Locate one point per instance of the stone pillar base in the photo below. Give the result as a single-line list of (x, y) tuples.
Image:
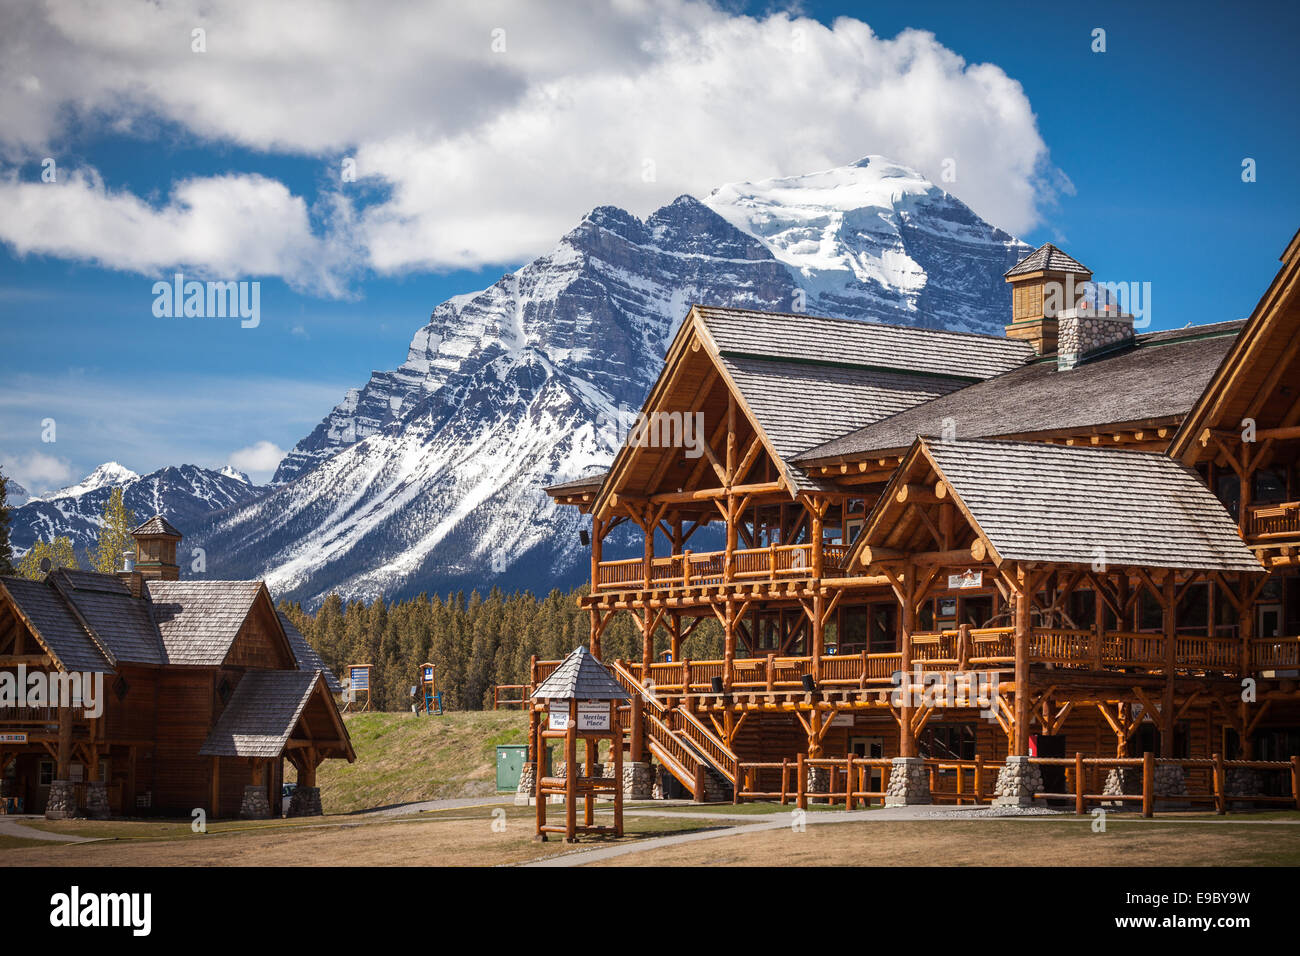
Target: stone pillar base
[(304, 802), (819, 781), (909, 782), (97, 807), (62, 803), (638, 781), (255, 805), (526, 791), (1018, 781)]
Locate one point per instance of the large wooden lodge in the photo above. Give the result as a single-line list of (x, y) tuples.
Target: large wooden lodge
[(206, 691), (1107, 520)]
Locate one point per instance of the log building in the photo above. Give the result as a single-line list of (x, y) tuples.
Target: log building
[(206, 690), (1100, 524)]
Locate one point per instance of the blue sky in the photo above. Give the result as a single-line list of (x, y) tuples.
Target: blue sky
[(1131, 159)]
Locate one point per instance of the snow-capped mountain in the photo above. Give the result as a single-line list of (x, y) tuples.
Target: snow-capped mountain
[(429, 476), (107, 475), (185, 495), (15, 494)]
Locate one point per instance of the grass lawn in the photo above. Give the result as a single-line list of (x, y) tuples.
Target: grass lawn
[(1026, 841), (469, 836), (402, 758)]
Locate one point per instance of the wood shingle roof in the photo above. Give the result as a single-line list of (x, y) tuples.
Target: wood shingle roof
[(55, 626), (157, 525), (580, 676), (1047, 258), (261, 714), (1161, 376), (199, 620), (1080, 505), (305, 654)]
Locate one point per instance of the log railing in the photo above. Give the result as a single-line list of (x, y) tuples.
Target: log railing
[(713, 750), (689, 569), (1275, 653), (1084, 776), (1274, 521)]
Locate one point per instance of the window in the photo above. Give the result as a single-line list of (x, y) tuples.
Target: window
[(121, 688), (224, 690), (45, 773), (1268, 486), (1194, 610), (884, 628), (854, 638), (1227, 488)]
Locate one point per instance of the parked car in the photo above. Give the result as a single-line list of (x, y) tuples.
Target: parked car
[(286, 794)]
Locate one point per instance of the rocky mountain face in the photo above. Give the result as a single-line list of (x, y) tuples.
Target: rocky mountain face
[(185, 495), (429, 476)]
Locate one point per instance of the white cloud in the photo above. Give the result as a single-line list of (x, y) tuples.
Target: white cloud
[(487, 156), (258, 460), (225, 226), (37, 471)]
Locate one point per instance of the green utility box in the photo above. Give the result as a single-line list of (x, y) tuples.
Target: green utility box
[(510, 764)]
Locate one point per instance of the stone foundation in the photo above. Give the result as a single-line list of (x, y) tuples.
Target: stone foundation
[(819, 781), (97, 807), (1242, 781), (526, 791), (638, 781), (255, 806), (1170, 781), (1018, 781), (304, 802), (909, 782), (1121, 781), (62, 803)]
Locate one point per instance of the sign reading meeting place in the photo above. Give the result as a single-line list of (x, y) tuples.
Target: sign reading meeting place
[(592, 715)]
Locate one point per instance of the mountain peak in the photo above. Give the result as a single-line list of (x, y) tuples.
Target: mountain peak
[(109, 473)]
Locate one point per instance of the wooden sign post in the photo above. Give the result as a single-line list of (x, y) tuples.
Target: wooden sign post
[(579, 702), (358, 682), (430, 699)]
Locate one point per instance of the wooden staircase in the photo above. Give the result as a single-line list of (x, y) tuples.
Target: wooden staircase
[(685, 747)]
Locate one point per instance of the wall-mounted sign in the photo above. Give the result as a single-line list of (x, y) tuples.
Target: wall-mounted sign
[(842, 720), (360, 677), (428, 675), (559, 716), (967, 579), (13, 738), (593, 715)]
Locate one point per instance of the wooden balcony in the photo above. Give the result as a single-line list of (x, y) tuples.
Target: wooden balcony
[(1277, 522), (689, 569), (980, 649)]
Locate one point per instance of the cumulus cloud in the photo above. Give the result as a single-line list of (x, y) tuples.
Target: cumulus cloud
[(489, 127), (37, 471), (258, 460)]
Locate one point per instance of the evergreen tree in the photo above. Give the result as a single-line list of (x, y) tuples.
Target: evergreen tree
[(114, 533), (6, 552)]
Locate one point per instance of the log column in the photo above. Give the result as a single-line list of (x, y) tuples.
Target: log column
[(907, 739), (1022, 624)]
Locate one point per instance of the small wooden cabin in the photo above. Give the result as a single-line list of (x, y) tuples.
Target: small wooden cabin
[(206, 691)]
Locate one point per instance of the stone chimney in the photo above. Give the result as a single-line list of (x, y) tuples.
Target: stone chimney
[(155, 550), (1087, 332), (1043, 284)]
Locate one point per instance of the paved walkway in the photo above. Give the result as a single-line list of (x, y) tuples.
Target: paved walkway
[(13, 826)]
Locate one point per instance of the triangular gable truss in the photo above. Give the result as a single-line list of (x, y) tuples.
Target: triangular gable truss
[(693, 379)]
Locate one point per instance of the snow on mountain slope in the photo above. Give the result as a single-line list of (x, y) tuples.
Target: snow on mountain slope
[(878, 237), (185, 495), (429, 476)]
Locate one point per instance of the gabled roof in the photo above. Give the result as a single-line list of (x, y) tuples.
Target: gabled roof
[(1047, 258), (1160, 377), (305, 654), (157, 525), (583, 677), (1062, 505), (120, 624), (55, 626), (199, 620), (800, 380), (262, 713)]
